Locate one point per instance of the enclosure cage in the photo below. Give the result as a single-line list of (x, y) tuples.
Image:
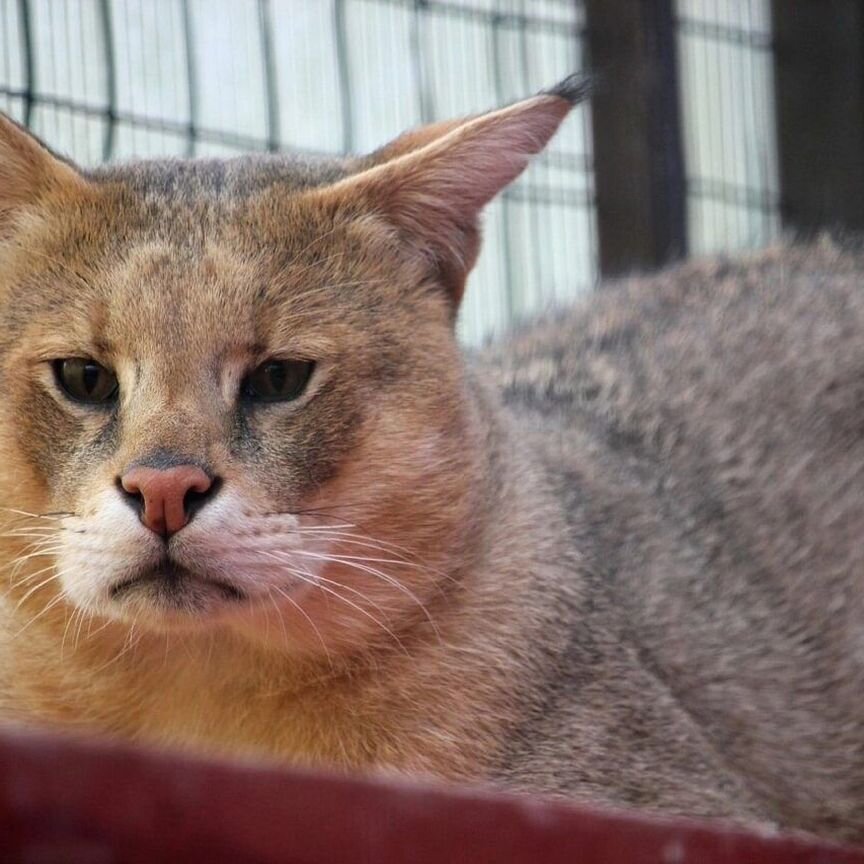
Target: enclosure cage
[(116, 79)]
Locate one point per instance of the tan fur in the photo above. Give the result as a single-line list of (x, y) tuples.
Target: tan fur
[(504, 558)]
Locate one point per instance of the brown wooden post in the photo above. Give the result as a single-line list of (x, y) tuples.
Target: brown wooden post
[(819, 80), (638, 156)]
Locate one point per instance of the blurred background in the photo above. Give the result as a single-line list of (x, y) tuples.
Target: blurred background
[(715, 124)]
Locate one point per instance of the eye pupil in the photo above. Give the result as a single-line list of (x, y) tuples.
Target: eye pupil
[(278, 380), (90, 377), (278, 375), (85, 380)]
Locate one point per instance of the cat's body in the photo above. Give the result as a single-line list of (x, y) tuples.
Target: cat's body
[(704, 429), (616, 558)]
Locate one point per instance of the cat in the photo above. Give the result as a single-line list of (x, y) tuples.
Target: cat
[(257, 500)]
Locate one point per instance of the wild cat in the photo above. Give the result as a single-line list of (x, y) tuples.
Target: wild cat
[(257, 501)]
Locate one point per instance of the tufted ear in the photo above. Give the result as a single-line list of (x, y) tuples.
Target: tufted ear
[(432, 184), (28, 170)]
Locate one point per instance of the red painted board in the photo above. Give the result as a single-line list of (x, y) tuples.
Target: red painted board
[(86, 802)]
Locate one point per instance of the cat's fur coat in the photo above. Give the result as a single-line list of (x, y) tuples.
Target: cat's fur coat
[(618, 558)]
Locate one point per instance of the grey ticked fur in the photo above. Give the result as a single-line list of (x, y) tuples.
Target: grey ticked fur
[(703, 431)]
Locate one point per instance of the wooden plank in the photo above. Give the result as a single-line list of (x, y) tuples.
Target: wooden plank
[(638, 155), (819, 82), (83, 802)]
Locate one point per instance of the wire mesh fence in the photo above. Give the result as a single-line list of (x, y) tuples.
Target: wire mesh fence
[(115, 79), (729, 132)]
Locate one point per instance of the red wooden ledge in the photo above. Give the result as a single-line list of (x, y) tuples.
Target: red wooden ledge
[(80, 802)]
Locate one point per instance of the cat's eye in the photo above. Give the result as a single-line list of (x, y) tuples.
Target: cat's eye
[(85, 380), (277, 380)]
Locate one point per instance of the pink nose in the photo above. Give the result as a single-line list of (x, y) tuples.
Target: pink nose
[(164, 495)]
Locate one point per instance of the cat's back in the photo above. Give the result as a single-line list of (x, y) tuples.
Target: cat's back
[(707, 329), (705, 429)]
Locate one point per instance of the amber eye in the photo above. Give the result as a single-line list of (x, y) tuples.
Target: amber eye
[(85, 380), (277, 380)]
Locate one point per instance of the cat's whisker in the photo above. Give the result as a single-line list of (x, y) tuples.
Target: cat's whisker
[(29, 534), (130, 643), (357, 564), (287, 558), (327, 533), (69, 621), (312, 624), (315, 581), (17, 564), (367, 536), (24, 532), (33, 549), (368, 543), (285, 640), (47, 608), (34, 588), (77, 639), (55, 514), (91, 633)]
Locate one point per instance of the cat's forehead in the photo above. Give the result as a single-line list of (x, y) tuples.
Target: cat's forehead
[(186, 232), (207, 180), (171, 253), (216, 293)]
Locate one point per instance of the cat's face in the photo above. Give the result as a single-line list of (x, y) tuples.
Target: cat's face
[(231, 392)]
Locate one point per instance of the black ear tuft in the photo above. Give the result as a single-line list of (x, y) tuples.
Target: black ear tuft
[(574, 88)]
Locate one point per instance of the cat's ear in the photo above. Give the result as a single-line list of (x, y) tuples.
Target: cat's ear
[(413, 139), (431, 185), (28, 169)]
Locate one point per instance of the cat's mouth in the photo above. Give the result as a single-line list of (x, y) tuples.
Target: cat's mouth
[(171, 584)]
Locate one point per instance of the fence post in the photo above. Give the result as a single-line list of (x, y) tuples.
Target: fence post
[(819, 82), (638, 157)]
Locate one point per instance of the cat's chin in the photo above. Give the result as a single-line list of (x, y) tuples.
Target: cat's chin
[(170, 597)]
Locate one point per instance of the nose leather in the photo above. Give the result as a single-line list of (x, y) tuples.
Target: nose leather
[(163, 493)]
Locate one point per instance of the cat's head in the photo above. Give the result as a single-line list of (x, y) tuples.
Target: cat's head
[(231, 392)]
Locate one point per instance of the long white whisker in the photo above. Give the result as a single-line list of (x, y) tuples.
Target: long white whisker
[(34, 588), (279, 617), (18, 563), (27, 514), (38, 615), (315, 581), (285, 558), (312, 624), (352, 561), (70, 619)]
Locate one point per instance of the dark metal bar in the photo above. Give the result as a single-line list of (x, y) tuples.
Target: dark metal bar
[(344, 71), (819, 81), (418, 57), (27, 54), (638, 156), (535, 248), (111, 80), (265, 26), (509, 282), (192, 130)]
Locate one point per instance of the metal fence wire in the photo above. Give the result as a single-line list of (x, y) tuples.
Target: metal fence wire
[(115, 79)]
